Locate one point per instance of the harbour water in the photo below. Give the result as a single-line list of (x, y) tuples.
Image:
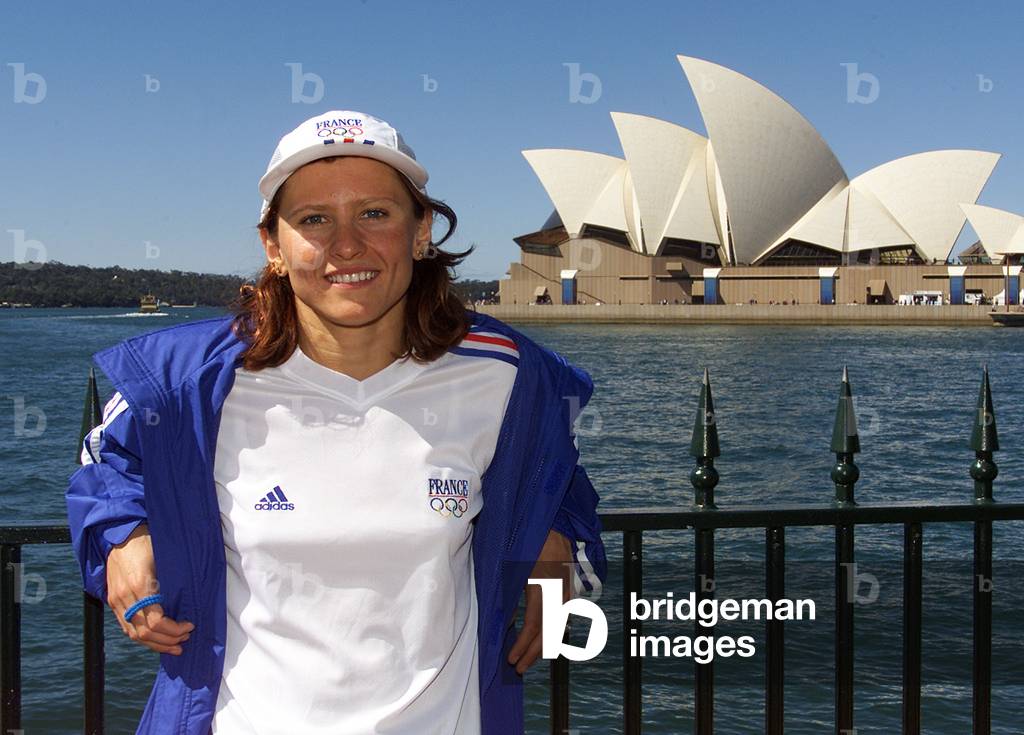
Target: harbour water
[(775, 390)]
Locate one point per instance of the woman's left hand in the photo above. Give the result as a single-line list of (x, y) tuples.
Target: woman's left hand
[(554, 562)]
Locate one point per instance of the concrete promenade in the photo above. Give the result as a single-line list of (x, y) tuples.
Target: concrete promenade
[(745, 314)]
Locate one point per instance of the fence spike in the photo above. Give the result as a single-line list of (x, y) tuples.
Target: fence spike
[(92, 412), (844, 433), (984, 437), (704, 446), (704, 442), (984, 441), (845, 442)]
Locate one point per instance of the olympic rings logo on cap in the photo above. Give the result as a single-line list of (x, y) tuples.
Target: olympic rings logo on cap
[(351, 130), (449, 506)]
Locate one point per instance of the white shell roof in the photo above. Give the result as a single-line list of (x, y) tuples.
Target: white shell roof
[(576, 181), (763, 176), (922, 193), (669, 172), (825, 223), (773, 164), (870, 224), (1000, 231)]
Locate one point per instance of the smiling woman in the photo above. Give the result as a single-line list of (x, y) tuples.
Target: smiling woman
[(348, 481), (342, 215)]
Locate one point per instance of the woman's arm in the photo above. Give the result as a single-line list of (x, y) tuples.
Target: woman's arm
[(572, 552), (577, 520), (107, 517), (105, 499)]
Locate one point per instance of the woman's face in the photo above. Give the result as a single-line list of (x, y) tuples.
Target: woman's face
[(348, 215)]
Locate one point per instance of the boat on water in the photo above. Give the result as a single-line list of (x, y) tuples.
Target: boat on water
[(148, 304), (1007, 318), (184, 306)]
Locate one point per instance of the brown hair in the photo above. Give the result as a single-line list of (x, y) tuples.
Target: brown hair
[(435, 318)]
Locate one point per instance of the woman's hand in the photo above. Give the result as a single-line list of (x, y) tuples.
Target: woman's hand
[(131, 575), (554, 562)]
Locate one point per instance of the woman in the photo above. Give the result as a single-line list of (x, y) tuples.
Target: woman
[(347, 482)]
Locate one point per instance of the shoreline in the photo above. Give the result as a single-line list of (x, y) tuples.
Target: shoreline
[(799, 314), (803, 314)]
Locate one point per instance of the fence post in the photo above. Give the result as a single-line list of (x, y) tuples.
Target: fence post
[(984, 441), (10, 638), (93, 610), (775, 635), (632, 582), (913, 556), (845, 442), (704, 477)]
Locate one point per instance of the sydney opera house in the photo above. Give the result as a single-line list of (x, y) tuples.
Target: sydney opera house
[(758, 210)]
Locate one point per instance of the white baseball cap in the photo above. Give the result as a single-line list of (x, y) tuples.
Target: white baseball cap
[(340, 133)]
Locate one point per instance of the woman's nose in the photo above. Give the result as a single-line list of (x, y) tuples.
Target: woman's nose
[(346, 241)]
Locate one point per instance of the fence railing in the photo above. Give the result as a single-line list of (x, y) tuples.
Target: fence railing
[(843, 514), (703, 518)]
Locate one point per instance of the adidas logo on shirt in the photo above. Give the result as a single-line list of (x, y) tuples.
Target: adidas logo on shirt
[(275, 500)]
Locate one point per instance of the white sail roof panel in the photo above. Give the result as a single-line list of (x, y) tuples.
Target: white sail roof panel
[(773, 164), (922, 193), (573, 180), (668, 168), (870, 223), (999, 231), (825, 223)]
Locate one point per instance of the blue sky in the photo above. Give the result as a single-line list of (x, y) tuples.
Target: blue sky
[(103, 172)]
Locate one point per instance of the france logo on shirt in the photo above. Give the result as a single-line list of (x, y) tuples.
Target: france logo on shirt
[(448, 497)]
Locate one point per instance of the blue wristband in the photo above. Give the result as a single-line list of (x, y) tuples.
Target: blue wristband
[(139, 604)]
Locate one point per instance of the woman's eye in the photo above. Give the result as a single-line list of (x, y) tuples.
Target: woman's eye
[(381, 212), (306, 220)]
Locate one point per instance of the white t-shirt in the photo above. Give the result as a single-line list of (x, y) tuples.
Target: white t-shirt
[(346, 508)]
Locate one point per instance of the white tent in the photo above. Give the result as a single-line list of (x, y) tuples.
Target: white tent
[(1000, 298)]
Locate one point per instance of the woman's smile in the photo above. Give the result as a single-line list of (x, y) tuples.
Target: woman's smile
[(351, 279)]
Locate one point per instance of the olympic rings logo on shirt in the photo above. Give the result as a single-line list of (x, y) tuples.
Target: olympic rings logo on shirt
[(344, 132), (449, 506)]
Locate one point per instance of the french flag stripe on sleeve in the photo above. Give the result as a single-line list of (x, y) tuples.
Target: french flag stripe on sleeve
[(479, 339), (479, 343)]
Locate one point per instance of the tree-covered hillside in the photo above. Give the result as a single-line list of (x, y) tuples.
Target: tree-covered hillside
[(55, 284)]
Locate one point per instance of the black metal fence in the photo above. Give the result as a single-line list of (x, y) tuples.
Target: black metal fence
[(703, 518), (843, 514)]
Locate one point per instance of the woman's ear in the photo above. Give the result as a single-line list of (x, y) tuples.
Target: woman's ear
[(270, 245), (424, 230)]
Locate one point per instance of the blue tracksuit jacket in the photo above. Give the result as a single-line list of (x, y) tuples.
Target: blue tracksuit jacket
[(175, 381)]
